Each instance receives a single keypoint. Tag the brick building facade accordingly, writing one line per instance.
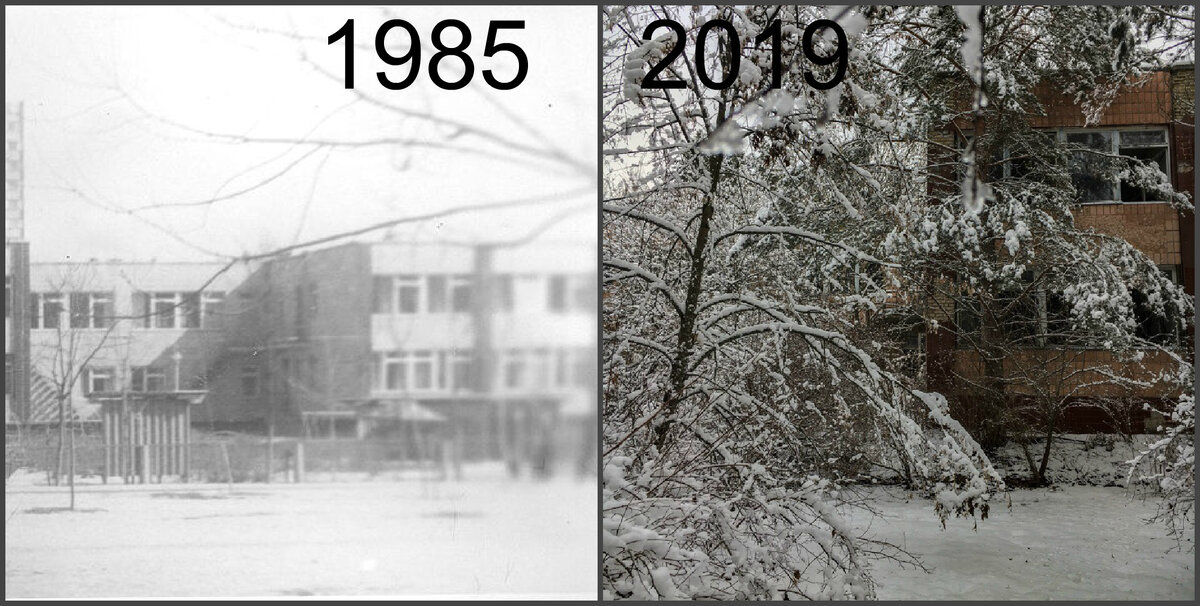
(1152, 120)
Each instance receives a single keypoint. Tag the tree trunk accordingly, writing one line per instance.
(71, 468)
(687, 338)
(1050, 427)
(62, 439)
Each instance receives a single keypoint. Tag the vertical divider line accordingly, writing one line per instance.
(599, 302)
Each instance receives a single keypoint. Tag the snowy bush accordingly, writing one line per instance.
(1167, 470)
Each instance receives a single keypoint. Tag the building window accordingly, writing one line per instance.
(99, 380)
(412, 294)
(47, 310)
(557, 292)
(161, 310)
(91, 310)
(504, 292)
(1149, 146)
(437, 293)
(397, 294)
(461, 294)
(515, 369)
(1092, 170)
(8, 296)
(210, 305)
(422, 366)
(189, 310)
(542, 367)
(148, 379)
(584, 293)
(1088, 164)
(404, 371)
(408, 294)
(1150, 325)
(250, 380)
(966, 321)
(382, 295)
(170, 310)
(395, 372)
(462, 371)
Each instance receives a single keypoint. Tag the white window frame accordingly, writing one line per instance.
(38, 321)
(140, 376)
(519, 359)
(89, 312)
(454, 360)
(106, 372)
(409, 360)
(409, 281)
(174, 299)
(1115, 150)
(210, 302)
(457, 283)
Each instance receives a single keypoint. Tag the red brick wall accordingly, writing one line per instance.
(1152, 228)
(1148, 102)
(1165, 98)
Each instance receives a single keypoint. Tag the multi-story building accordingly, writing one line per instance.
(494, 345)
(491, 340)
(1152, 121)
(16, 269)
(101, 328)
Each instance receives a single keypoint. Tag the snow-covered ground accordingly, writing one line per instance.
(1077, 542)
(489, 536)
(1079, 459)
(496, 536)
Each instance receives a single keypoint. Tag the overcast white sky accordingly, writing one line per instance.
(114, 98)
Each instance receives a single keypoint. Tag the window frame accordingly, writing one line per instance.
(105, 372)
(1060, 137)
(38, 301)
(1115, 150)
(140, 377)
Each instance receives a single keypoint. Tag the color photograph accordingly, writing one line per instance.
(898, 302)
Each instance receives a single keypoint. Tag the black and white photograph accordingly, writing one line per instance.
(301, 301)
(898, 302)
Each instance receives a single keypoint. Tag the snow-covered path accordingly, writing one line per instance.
(1079, 543)
(489, 537)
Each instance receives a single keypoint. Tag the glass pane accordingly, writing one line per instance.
(51, 310)
(423, 374)
(514, 373)
(1156, 156)
(461, 373)
(504, 292)
(102, 313)
(164, 314)
(383, 295)
(1099, 141)
(558, 293)
(397, 376)
(437, 293)
(80, 303)
(191, 310)
(408, 298)
(1143, 138)
(462, 297)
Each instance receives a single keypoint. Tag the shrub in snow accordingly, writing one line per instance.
(1167, 470)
